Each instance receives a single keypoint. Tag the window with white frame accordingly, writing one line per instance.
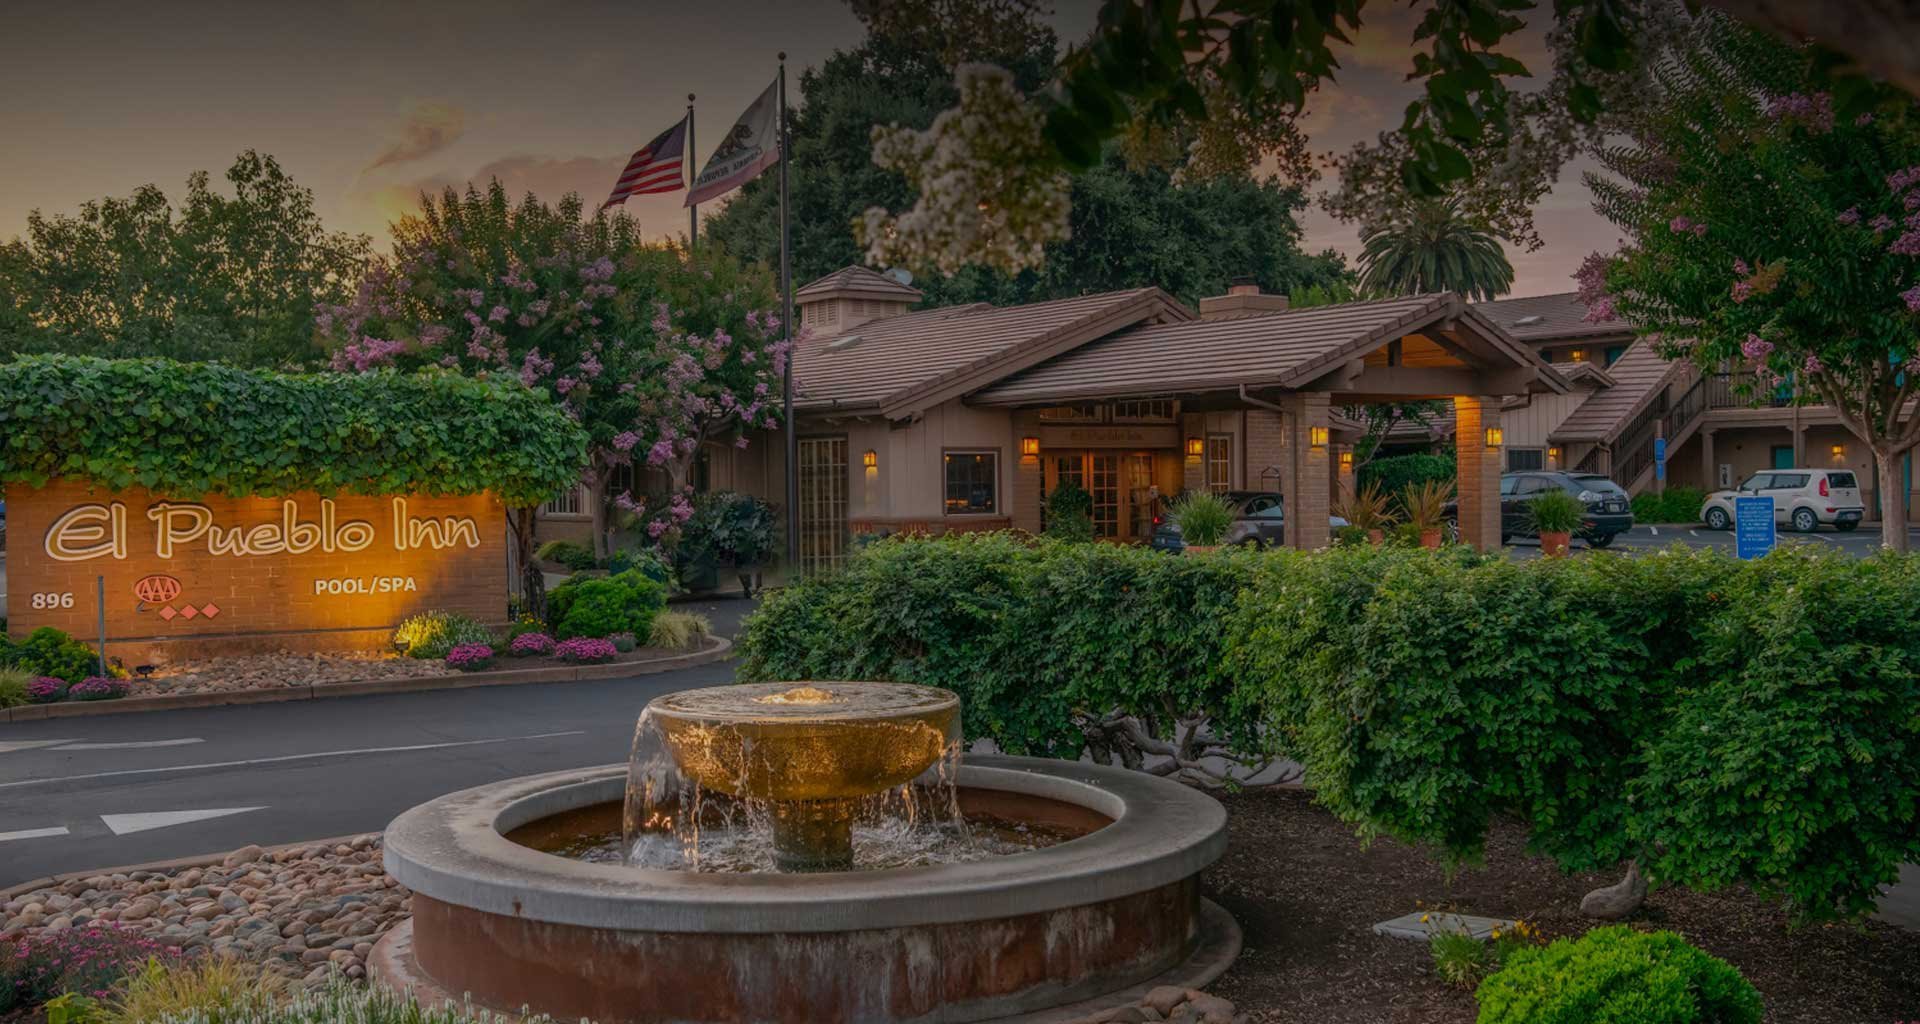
(1219, 463)
(570, 502)
(1145, 410)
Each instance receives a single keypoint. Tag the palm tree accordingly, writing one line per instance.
(1432, 248)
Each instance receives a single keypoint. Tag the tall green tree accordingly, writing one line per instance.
(233, 278)
(1431, 247)
(1769, 231)
(1133, 223)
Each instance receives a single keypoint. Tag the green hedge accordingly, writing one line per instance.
(601, 606)
(189, 429)
(1677, 505)
(1617, 976)
(1723, 721)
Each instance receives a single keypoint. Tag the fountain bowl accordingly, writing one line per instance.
(826, 741)
(1041, 935)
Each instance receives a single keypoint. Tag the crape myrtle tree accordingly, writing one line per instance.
(1769, 233)
(652, 349)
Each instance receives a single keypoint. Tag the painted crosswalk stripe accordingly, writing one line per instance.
(14, 746)
(291, 757)
(133, 744)
(126, 824)
(34, 833)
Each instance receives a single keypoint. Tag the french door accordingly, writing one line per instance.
(823, 503)
(1118, 483)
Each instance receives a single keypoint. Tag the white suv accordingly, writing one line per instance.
(1802, 499)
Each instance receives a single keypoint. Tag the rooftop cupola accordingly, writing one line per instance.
(852, 296)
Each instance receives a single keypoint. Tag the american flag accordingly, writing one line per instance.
(655, 168)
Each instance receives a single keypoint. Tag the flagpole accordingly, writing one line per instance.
(693, 211)
(786, 324)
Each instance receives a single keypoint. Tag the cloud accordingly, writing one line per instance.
(428, 128)
(548, 178)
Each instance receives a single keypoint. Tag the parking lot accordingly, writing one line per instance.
(1863, 541)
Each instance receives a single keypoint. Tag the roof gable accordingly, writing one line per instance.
(1543, 318)
(905, 364)
(860, 280)
(1638, 376)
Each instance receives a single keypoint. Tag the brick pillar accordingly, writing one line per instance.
(1266, 448)
(1027, 479)
(1308, 471)
(1478, 471)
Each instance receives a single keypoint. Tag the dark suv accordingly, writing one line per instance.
(1609, 509)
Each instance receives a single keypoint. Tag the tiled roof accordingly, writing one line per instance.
(1201, 355)
(1637, 375)
(858, 279)
(885, 362)
(1547, 318)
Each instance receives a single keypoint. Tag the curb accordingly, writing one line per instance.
(174, 864)
(719, 649)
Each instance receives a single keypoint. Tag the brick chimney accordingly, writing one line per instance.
(1243, 298)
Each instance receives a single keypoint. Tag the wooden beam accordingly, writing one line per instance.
(1399, 382)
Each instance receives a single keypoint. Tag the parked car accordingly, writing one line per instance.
(1609, 508)
(1259, 520)
(1802, 499)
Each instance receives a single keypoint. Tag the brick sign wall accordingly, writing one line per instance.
(217, 567)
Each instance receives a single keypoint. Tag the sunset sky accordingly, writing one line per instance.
(368, 102)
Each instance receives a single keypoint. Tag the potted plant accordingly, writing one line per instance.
(1555, 514)
(1366, 510)
(1203, 518)
(1426, 506)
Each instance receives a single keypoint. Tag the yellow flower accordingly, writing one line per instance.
(1423, 919)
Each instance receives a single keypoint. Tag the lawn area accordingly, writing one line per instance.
(1307, 892)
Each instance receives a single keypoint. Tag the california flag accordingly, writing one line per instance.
(750, 146)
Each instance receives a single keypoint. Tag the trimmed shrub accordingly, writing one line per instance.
(469, 657)
(1617, 976)
(625, 642)
(1677, 505)
(598, 607)
(51, 652)
(1070, 514)
(528, 645)
(47, 690)
(576, 557)
(1723, 722)
(585, 650)
(431, 636)
(649, 562)
(679, 630)
(13, 687)
(98, 688)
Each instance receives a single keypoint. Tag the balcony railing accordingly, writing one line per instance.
(1636, 444)
(1744, 391)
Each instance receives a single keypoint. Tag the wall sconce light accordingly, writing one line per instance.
(1317, 437)
(1195, 447)
(1029, 446)
(1839, 452)
(871, 459)
(1578, 355)
(1495, 437)
(1346, 462)
(1553, 457)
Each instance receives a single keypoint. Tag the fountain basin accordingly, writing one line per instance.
(1114, 910)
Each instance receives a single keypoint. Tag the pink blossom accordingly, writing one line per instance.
(565, 384)
(1815, 112)
(1756, 348)
(1908, 244)
(1682, 225)
(1881, 223)
(1740, 267)
(1812, 365)
(1912, 297)
(1741, 291)
(498, 314)
(625, 440)
(1863, 120)
(1850, 216)
(1902, 178)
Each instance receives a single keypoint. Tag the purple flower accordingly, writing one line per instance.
(1902, 178)
(1815, 112)
(1741, 290)
(1881, 223)
(98, 688)
(469, 657)
(46, 690)
(1756, 348)
(530, 644)
(625, 440)
(585, 650)
(1908, 244)
(1812, 365)
(1912, 296)
(1850, 216)
(1740, 267)
(1863, 120)
(498, 314)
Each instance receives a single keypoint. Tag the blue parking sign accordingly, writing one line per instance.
(1753, 534)
(1659, 458)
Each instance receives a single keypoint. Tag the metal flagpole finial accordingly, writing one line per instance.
(689, 97)
(783, 55)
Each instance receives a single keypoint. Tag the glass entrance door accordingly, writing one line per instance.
(1120, 484)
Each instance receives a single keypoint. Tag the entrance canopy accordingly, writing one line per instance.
(1420, 347)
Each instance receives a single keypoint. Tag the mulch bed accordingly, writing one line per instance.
(1307, 893)
(283, 669)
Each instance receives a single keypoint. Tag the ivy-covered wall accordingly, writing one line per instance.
(192, 429)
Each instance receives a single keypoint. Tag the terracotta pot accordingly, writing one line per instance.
(1430, 538)
(1377, 536)
(1200, 549)
(1553, 543)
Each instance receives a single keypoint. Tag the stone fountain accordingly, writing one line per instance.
(1050, 888)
